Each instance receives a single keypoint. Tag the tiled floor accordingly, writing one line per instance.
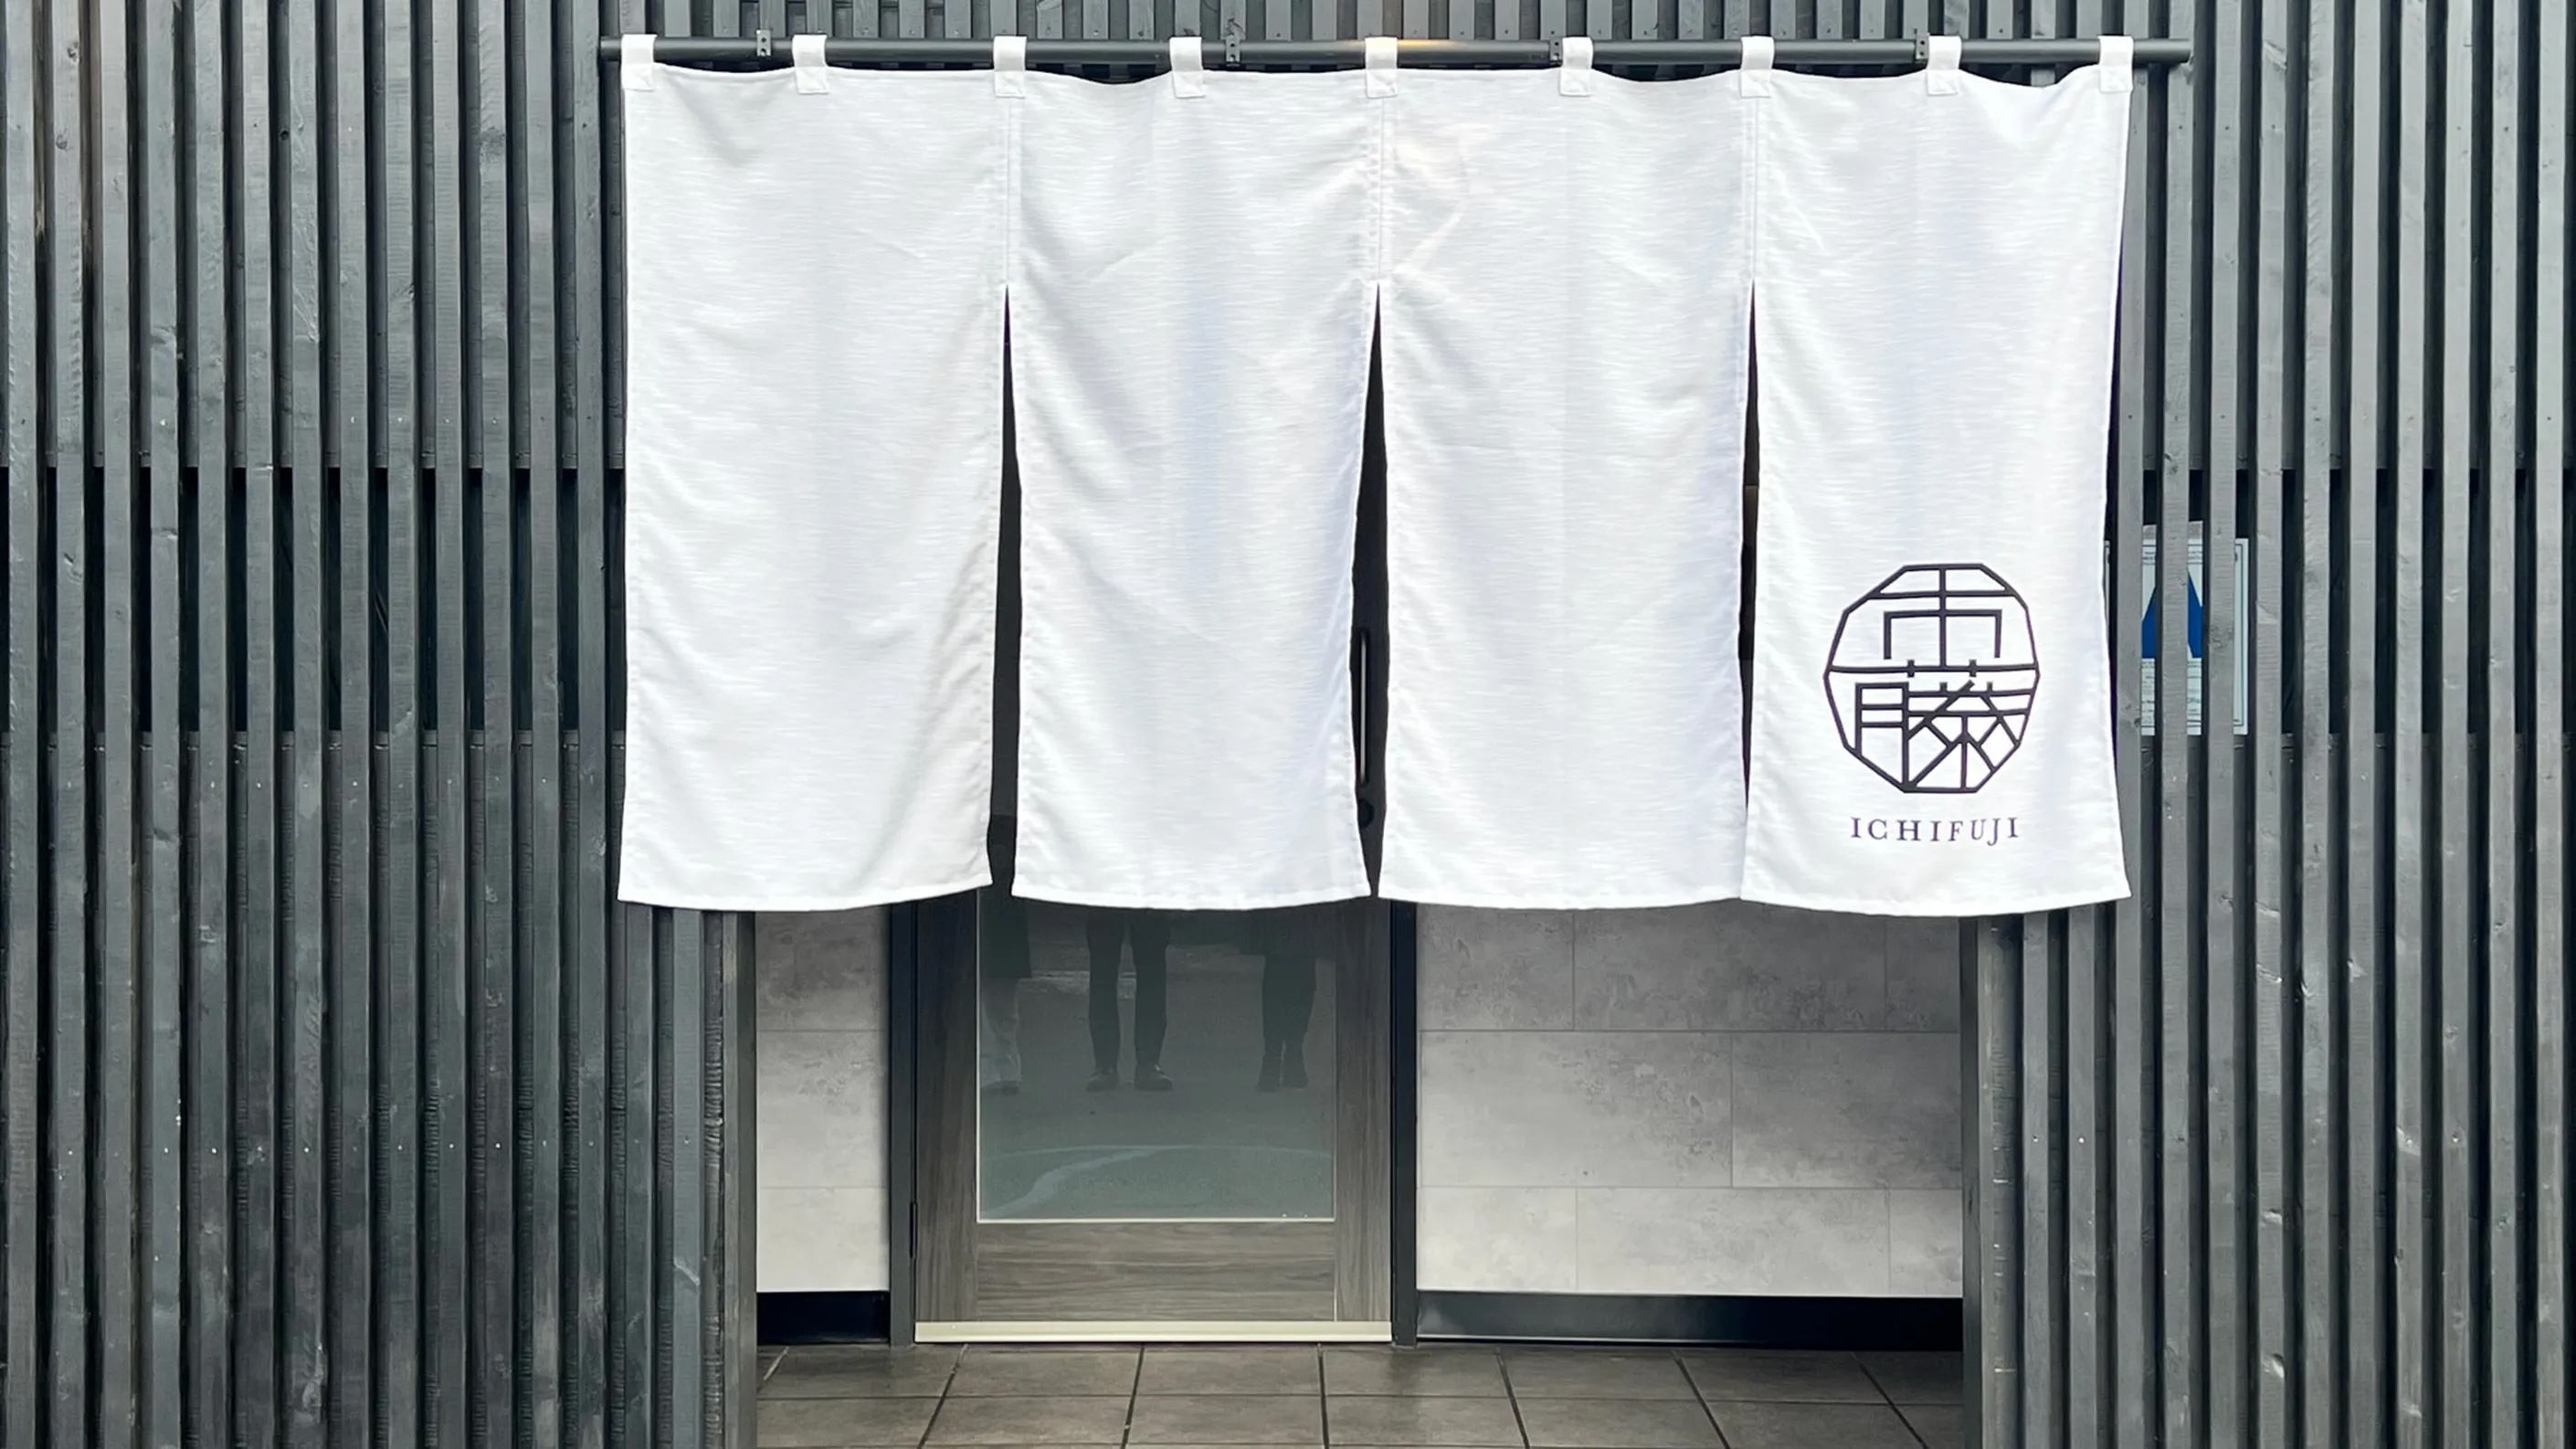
(1304, 1398)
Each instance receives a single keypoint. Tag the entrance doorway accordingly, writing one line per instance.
(1156, 1125)
(1152, 1125)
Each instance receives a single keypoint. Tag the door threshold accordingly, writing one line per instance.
(1150, 1331)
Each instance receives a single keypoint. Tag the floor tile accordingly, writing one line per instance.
(1812, 1426)
(1917, 1378)
(1239, 1370)
(1940, 1426)
(1766, 1375)
(1055, 1420)
(1420, 1420)
(1578, 1373)
(1616, 1424)
(1061, 1372)
(1443, 1372)
(842, 1423)
(860, 1371)
(1228, 1419)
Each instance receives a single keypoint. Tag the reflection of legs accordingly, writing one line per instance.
(1101, 932)
(1287, 1006)
(1152, 937)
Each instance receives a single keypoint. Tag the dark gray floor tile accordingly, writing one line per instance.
(1941, 1426)
(1763, 1374)
(1051, 1420)
(1236, 1370)
(1582, 1373)
(1617, 1424)
(1812, 1426)
(856, 1371)
(1444, 1372)
(1421, 1420)
(1228, 1419)
(1917, 1378)
(843, 1423)
(1057, 1372)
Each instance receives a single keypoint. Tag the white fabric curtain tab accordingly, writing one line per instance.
(1565, 334)
(1935, 277)
(814, 269)
(1191, 295)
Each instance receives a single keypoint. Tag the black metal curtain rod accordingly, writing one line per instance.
(1274, 54)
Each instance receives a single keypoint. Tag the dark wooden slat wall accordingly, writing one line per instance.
(2328, 1035)
(308, 776)
(344, 1105)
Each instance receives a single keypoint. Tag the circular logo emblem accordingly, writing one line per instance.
(1932, 676)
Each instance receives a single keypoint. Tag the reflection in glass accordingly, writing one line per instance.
(1156, 1064)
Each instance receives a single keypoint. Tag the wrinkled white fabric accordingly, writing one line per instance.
(814, 418)
(1190, 308)
(1565, 334)
(1936, 267)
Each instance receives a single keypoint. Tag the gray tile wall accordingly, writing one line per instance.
(821, 1107)
(1711, 1099)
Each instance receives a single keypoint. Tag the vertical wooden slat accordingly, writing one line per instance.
(115, 1410)
(2225, 1070)
(539, 988)
(635, 1298)
(2184, 1167)
(586, 1366)
(681, 1040)
(2042, 1309)
(735, 1208)
(351, 966)
(21, 759)
(1990, 952)
(256, 1363)
(449, 1260)
(2274, 1362)
(2505, 1287)
(163, 1239)
(2321, 817)
(400, 1288)
(66, 1122)
(2365, 1065)
(2087, 1064)
(2411, 1015)
(2457, 1181)
(2048, 948)
(2129, 1389)
(2275, 1120)
(2553, 194)
(210, 1352)
(303, 1147)
(491, 457)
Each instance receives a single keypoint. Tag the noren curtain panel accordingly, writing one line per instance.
(1938, 263)
(1564, 276)
(1564, 320)
(813, 483)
